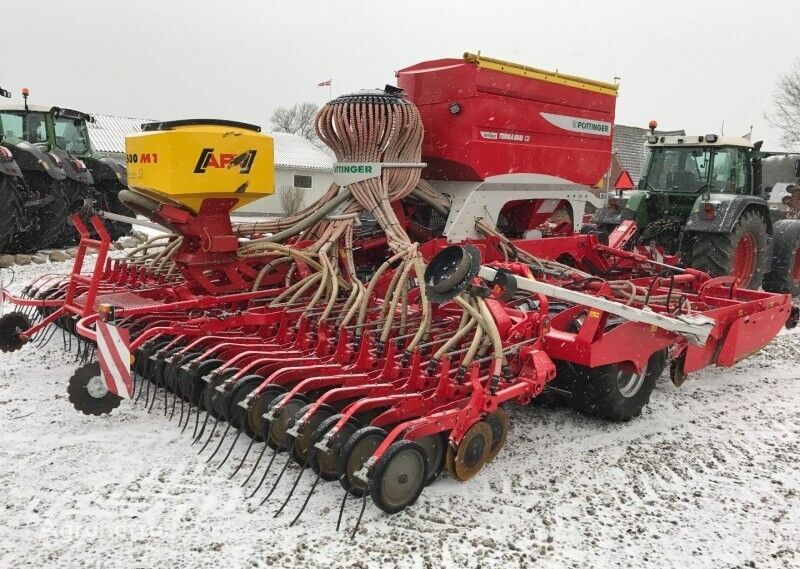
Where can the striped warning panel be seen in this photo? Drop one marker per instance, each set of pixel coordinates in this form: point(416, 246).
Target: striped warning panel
point(115, 358)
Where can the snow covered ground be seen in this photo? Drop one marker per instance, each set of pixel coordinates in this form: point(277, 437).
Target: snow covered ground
point(706, 477)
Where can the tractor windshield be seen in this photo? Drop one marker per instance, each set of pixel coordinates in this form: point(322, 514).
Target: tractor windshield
point(71, 135)
point(677, 169)
point(24, 126)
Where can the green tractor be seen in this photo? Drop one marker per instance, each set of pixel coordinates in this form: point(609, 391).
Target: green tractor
point(61, 135)
point(702, 199)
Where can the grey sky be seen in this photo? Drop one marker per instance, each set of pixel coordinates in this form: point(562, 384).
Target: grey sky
point(687, 64)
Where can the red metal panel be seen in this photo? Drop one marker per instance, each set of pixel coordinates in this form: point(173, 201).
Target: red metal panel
point(499, 127)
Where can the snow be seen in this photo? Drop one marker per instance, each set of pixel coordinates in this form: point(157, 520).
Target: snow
point(706, 477)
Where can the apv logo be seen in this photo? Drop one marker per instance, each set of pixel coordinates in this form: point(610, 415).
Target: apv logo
point(208, 159)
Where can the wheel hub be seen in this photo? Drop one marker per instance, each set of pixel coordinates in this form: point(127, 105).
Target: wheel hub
point(96, 387)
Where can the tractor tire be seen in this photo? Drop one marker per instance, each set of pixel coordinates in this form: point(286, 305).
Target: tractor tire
point(615, 392)
point(10, 209)
point(785, 274)
point(109, 201)
point(50, 220)
point(741, 253)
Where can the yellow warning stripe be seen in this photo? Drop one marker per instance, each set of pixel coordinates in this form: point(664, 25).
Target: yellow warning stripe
point(541, 74)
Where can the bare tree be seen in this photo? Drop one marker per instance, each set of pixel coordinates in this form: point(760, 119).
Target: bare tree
point(786, 107)
point(297, 119)
point(291, 199)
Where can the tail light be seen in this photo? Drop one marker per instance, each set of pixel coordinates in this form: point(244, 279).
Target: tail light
point(708, 211)
point(5, 154)
point(78, 165)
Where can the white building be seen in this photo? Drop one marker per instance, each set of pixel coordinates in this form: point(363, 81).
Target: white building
point(298, 162)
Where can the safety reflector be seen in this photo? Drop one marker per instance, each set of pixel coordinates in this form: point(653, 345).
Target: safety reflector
point(114, 355)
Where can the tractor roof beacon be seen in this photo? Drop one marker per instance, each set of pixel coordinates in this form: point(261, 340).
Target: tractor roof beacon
point(702, 199)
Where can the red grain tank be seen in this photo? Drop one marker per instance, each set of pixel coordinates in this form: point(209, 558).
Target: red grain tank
point(484, 117)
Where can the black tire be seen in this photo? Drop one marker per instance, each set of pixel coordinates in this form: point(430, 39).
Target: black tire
point(49, 220)
point(108, 193)
point(355, 452)
point(399, 476)
point(327, 465)
point(303, 443)
point(715, 253)
point(86, 400)
point(277, 437)
point(255, 425)
point(785, 274)
point(614, 392)
point(237, 415)
point(11, 190)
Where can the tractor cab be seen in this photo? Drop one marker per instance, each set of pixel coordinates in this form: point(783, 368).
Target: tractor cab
point(49, 128)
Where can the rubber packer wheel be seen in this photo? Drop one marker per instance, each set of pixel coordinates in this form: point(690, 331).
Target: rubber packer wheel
point(258, 407)
point(88, 394)
point(326, 464)
point(616, 392)
point(303, 442)
point(785, 274)
point(741, 253)
point(355, 452)
point(277, 437)
point(399, 476)
point(472, 452)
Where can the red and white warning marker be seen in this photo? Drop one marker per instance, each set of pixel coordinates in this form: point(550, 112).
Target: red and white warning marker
point(114, 355)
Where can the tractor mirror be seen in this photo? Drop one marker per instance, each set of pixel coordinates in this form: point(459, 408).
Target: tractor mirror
point(624, 182)
point(797, 168)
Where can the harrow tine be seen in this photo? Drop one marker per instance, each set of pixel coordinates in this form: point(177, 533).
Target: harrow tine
point(153, 400)
point(174, 402)
point(141, 387)
point(305, 502)
point(255, 466)
point(210, 435)
point(180, 417)
point(341, 509)
point(271, 460)
point(361, 514)
point(219, 446)
point(294, 487)
point(278, 479)
point(241, 462)
point(188, 415)
point(146, 395)
point(166, 402)
point(230, 450)
point(203, 428)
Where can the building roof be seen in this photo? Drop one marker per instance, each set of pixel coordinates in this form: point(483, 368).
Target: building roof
point(628, 148)
point(108, 132)
point(294, 151)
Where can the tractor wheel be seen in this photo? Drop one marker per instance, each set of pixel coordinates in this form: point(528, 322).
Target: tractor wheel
point(9, 209)
point(88, 392)
point(399, 476)
point(109, 201)
point(785, 274)
point(51, 220)
point(741, 253)
point(616, 391)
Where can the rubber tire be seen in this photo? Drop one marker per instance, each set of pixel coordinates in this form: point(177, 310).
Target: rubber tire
point(600, 396)
point(10, 210)
point(786, 235)
point(307, 431)
point(258, 406)
point(236, 414)
point(713, 252)
point(344, 433)
point(349, 447)
point(379, 471)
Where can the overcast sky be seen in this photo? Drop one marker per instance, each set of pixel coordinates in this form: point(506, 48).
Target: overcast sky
point(688, 64)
